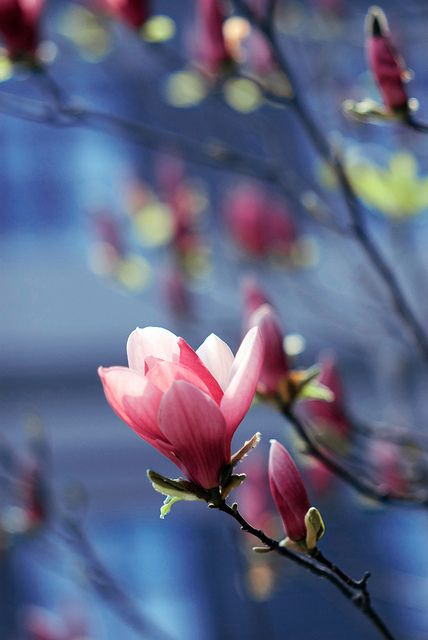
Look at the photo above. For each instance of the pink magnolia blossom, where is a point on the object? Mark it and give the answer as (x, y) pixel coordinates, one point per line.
(185, 403)
(288, 492)
(132, 12)
(211, 47)
(19, 26)
(385, 63)
(275, 369)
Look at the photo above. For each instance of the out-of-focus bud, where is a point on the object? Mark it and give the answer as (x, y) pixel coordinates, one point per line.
(386, 458)
(303, 524)
(258, 224)
(35, 495)
(273, 376)
(211, 47)
(253, 298)
(330, 417)
(19, 27)
(386, 65)
(176, 291)
(133, 12)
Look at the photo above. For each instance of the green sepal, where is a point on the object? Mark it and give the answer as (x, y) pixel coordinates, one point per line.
(174, 490)
(167, 505)
(315, 527)
(309, 386)
(316, 391)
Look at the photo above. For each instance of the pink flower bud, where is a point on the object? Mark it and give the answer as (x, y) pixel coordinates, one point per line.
(210, 45)
(19, 26)
(254, 297)
(133, 12)
(176, 291)
(288, 492)
(385, 63)
(275, 367)
(186, 404)
(34, 494)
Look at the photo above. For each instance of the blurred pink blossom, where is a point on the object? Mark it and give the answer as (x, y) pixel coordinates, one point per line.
(259, 224)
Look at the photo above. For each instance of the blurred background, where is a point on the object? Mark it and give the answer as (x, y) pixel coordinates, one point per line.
(104, 228)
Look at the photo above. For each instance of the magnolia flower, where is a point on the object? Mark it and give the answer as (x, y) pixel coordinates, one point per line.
(133, 12)
(19, 26)
(303, 524)
(185, 403)
(386, 65)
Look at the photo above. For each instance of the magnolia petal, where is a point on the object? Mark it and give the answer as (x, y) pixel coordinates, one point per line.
(195, 426)
(245, 374)
(151, 341)
(190, 359)
(162, 374)
(218, 358)
(136, 401)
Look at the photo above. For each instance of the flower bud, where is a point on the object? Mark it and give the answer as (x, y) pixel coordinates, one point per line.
(275, 367)
(288, 492)
(385, 63)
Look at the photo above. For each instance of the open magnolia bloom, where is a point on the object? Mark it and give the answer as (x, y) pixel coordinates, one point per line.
(303, 524)
(187, 404)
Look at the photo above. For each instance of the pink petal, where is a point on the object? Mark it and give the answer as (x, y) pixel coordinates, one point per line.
(243, 381)
(190, 359)
(195, 426)
(163, 374)
(134, 399)
(288, 491)
(151, 341)
(218, 358)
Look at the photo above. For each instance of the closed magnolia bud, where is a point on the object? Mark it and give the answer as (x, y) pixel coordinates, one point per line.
(275, 367)
(386, 65)
(288, 492)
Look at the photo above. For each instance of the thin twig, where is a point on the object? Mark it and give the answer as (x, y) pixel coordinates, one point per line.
(354, 590)
(360, 484)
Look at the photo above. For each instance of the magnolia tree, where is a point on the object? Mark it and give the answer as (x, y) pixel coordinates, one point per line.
(188, 404)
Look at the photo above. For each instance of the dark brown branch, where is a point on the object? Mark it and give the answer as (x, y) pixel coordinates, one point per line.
(354, 590)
